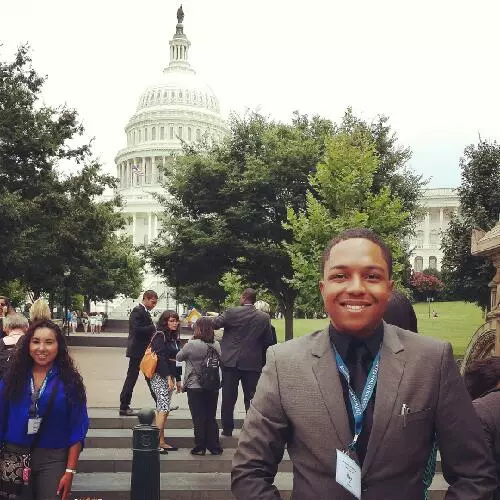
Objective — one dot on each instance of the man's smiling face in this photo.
(356, 286)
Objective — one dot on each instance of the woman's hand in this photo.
(171, 383)
(64, 488)
(178, 386)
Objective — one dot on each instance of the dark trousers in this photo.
(230, 380)
(47, 468)
(203, 407)
(129, 384)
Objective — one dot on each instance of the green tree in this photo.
(33, 138)
(343, 184)
(54, 224)
(467, 276)
(228, 205)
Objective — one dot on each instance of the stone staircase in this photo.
(106, 462)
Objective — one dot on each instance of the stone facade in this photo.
(438, 205)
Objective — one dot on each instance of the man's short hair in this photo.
(482, 375)
(250, 295)
(13, 321)
(149, 294)
(363, 233)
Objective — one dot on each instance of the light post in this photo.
(67, 274)
(429, 300)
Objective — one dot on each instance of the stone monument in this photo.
(486, 341)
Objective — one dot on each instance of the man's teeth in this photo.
(354, 308)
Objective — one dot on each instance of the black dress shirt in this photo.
(358, 355)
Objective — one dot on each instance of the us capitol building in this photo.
(179, 108)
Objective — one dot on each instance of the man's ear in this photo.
(321, 287)
(391, 285)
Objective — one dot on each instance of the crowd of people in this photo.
(240, 355)
(361, 406)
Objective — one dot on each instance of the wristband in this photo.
(71, 471)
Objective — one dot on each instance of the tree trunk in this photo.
(51, 303)
(288, 313)
(86, 304)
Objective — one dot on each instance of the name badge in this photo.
(34, 425)
(348, 474)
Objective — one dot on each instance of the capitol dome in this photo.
(179, 108)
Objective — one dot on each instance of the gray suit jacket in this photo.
(247, 334)
(299, 403)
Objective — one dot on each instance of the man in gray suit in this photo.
(359, 404)
(247, 335)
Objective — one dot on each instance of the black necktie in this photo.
(359, 366)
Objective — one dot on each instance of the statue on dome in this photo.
(180, 15)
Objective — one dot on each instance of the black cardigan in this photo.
(166, 350)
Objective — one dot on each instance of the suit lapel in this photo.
(392, 362)
(327, 377)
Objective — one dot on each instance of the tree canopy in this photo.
(467, 276)
(55, 223)
(231, 206)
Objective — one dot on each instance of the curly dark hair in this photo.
(163, 324)
(204, 330)
(20, 367)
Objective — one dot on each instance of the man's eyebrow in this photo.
(343, 266)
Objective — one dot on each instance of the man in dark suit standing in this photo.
(359, 404)
(141, 329)
(247, 334)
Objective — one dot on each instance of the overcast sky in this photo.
(431, 66)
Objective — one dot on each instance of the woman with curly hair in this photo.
(166, 378)
(42, 401)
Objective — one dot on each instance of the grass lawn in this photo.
(456, 322)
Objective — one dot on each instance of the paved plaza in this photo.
(103, 370)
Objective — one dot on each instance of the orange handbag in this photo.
(149, 360)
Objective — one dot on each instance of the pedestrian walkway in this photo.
(106, 462)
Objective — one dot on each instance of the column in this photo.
(134, 220)
(441, 218)
(150, 229)
(155, 225)
(427, 230)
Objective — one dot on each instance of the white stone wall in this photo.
(438, 205)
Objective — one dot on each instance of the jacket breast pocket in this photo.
(412, 417)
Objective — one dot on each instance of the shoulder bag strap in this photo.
(154, 335)
(47, 412)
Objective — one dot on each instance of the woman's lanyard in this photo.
(36, 395)
(358, 407)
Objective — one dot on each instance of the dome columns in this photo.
(141, 171)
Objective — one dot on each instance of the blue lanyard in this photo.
(358, 407)
(36, 395)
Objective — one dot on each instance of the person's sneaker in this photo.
(128, 413)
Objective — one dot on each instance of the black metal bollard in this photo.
(145, 481)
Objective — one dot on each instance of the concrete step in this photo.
(190, 486)
(111, 338)
(122, 438)
(120, 460)
(108, 418)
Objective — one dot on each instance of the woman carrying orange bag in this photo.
(163, 382)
